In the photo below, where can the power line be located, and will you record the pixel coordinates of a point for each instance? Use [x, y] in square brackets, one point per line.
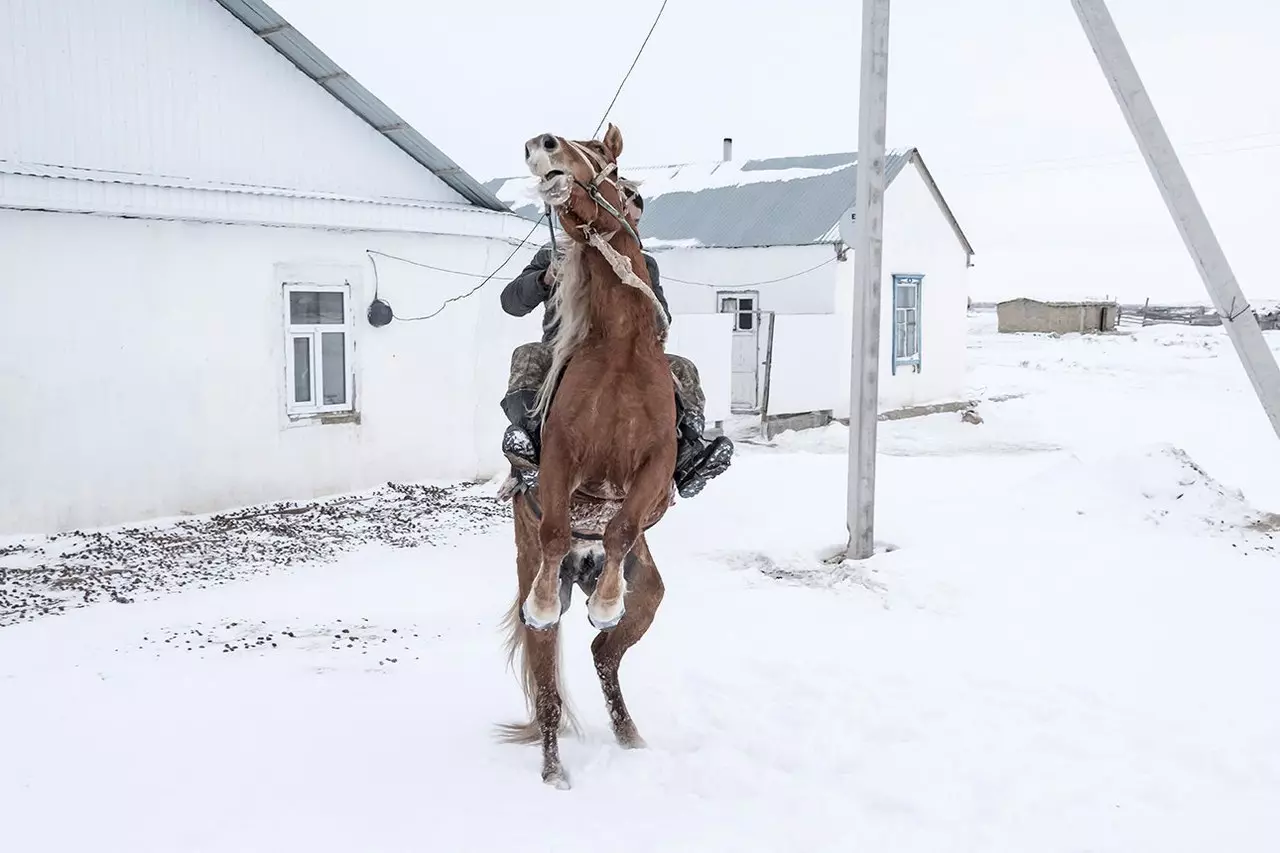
[1106, 161]
[525, 241]
[627, 76]
[741, 285]
[458, 298]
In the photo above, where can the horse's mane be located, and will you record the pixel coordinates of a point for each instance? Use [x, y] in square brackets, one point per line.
[570, 302]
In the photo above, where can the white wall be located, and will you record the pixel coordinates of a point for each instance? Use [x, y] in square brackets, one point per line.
[142, 372]
[182, 88]
[745, 269]
[919, 240]
[805, 348]
[704, 340]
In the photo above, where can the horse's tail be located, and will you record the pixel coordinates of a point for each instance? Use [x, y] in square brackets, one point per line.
[517, 638]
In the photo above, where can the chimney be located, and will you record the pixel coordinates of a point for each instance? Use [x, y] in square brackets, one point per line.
[728, 148]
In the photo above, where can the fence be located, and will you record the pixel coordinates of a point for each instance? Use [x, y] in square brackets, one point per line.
[1146, 314]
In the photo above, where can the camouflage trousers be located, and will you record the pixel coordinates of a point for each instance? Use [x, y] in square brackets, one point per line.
[530, 363]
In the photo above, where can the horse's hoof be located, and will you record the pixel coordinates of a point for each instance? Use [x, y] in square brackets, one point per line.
[539, 620]
[607, 621]
[556, 779]
[632, 740]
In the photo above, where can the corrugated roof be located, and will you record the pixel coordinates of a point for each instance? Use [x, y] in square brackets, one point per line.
[272, 28]
[783, 201]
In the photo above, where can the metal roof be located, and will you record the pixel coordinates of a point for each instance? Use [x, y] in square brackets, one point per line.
[783, 201]
[272, 28]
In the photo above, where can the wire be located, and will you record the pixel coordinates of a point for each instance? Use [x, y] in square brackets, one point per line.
[1106, 161]
[741, 285]
[429, 266]
[627, 77]
[459, 298]
[525, 241]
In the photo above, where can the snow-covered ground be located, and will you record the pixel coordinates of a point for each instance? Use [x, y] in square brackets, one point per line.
[1070, 645]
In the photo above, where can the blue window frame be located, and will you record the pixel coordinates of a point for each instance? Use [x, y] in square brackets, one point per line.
[906, 321]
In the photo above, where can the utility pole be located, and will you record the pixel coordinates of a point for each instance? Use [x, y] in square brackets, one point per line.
[864, 374]
[1210, 261]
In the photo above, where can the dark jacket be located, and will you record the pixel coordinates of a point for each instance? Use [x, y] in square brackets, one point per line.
[526, 291]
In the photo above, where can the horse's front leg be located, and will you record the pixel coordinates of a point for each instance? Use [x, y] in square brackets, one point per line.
[649, 489]
[541, 607]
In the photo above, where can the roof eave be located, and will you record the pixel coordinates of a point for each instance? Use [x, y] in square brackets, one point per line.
[942, 204]
[264, 22]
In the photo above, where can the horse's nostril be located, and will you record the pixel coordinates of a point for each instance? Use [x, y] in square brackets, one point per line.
[549, 142]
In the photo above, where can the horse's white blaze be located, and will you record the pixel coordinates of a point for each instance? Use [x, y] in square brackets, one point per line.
[538, 161]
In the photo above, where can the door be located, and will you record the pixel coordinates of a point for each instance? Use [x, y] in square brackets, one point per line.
[745, 387]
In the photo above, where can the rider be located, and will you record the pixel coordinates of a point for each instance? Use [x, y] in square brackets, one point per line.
[696, 460]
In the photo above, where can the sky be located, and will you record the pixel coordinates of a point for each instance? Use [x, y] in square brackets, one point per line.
[1003, 98]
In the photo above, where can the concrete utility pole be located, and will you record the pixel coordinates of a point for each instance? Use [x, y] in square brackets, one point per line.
[864, 374]
[1188, 216]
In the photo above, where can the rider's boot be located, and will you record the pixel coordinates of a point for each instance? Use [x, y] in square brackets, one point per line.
[521, 442]
[698, 460]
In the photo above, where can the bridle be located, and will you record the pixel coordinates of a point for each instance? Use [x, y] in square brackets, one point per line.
[620, 263]
[603, 172]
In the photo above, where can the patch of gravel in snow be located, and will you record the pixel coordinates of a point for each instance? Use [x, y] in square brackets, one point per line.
[42, 576]
[359, 643]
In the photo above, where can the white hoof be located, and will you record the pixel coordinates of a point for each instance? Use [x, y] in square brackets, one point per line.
[538, 618]
[602, 616]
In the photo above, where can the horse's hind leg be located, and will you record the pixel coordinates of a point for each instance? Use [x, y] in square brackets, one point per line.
[541, 647]
[538, 653]
[609, 646]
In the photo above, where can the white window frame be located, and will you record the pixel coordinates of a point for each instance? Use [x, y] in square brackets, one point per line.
[313, 331]
[724, 297]
[909, 281]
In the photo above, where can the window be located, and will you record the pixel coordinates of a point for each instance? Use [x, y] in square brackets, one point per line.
[743, 309]
[318, 348]
[906, 321]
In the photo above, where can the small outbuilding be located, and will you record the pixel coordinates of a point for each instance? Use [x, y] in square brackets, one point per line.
[1031, 315]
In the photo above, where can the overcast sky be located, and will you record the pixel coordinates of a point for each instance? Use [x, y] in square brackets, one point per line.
[1002, 97]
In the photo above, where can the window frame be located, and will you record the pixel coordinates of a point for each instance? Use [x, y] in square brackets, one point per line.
[915, 360]
[736, 296]
[315, 407]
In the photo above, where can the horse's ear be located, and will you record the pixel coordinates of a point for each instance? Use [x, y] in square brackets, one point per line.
[613, 141]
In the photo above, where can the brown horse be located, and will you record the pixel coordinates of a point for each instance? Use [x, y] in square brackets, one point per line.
[608, 447]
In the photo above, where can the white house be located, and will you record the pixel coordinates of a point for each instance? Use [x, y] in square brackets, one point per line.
[188, 190]
[769, 242]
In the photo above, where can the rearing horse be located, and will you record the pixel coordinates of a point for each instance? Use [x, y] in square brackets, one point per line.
[608, 446]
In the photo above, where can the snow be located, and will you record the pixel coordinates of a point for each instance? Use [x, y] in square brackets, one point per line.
[1067, 643]
[658, 181]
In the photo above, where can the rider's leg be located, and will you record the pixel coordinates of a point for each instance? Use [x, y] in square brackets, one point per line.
[697, 460]
[529, 365]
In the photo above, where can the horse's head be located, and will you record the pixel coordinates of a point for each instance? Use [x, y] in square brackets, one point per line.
[579, 179]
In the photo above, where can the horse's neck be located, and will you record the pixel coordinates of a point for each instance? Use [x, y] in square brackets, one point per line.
[619, 313]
